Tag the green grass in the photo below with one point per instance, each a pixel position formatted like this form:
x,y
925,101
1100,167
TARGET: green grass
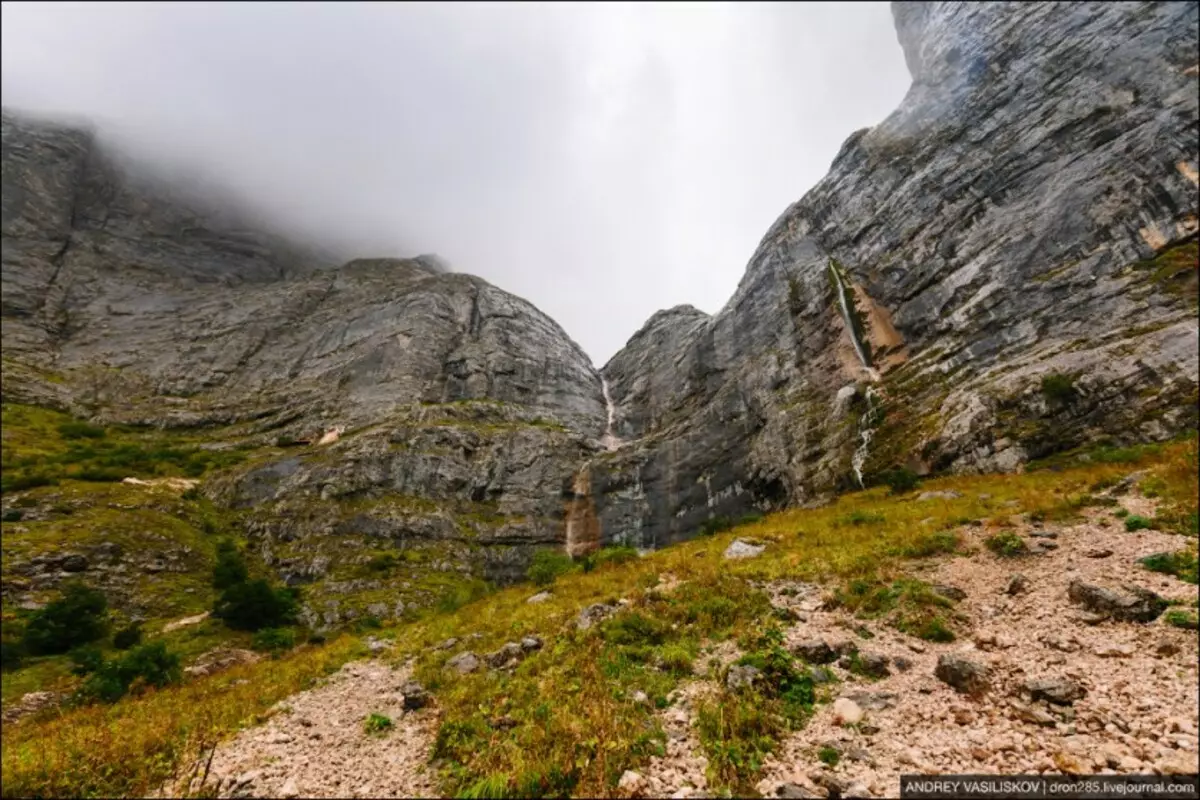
x,y
377,723
1134,522
1179,618
828,755
1181,563
1006,544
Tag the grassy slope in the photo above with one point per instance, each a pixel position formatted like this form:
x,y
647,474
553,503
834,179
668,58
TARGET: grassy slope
x,y
575,727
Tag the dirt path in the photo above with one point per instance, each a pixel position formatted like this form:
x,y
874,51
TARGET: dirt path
x,y
316,745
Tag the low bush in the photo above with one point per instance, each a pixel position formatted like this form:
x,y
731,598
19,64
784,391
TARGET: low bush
x,y
547,566
274,640
716,525
80,430
1182,564
1058,388
76,618
1006,544
147,665
900,480
1134,522
128,637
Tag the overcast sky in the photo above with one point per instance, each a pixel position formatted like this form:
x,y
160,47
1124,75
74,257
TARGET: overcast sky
x,y
601,160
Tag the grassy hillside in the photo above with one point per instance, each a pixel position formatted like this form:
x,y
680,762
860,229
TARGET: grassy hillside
x,y
563,721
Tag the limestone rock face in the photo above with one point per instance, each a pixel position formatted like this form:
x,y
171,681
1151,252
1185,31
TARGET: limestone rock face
x,y
1003,268
1030,210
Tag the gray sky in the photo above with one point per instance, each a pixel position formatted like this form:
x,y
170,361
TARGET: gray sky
x,y
601,160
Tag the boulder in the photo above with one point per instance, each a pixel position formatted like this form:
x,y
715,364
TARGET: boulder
x,y
1129,604
1060,691
741,548
963,674
464,662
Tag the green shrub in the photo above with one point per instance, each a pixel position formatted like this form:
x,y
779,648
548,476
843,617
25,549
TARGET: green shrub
x,y
716,525
931,544
1137,523
676,659
230,568
128,636
147,665
1006,544
861,517
1059,388
1182,619
255,605
12,654
548,565
900,480
377,723
77,617
12,515
1182,564
384,562
635,628
80,430
1121,513
10,482
274,640
462,594
608,555
829,755
750,519
85,660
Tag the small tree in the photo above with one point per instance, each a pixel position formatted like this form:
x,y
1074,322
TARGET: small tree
x,y
254,605
230,568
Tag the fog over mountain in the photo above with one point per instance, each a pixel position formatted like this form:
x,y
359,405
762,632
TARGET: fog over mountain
x,y
601,160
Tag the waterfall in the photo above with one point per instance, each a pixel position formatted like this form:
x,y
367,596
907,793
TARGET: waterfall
x,y
865,424
609,439
847,316
865,434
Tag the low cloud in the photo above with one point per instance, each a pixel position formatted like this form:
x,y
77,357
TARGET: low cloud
x,y
601,160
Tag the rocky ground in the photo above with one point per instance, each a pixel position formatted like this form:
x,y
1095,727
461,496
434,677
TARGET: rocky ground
x,y
317,744
1040,679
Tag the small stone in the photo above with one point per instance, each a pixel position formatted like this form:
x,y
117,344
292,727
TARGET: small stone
x,y
949,592
1115,651
415,696
1043,534
289,788
741,676
1059,691
1091,618
1017,583
915,646
741,548
464,662
640,698
872,665
847,712
963,674
508,653
794,791
631,781
446,645
531,643
540,597
593,614
946,495
821,675
74,562
815,651
874,701
902,663
1098,552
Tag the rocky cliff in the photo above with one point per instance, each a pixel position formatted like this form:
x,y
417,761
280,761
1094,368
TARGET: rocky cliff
x,y
1003,268
1017,246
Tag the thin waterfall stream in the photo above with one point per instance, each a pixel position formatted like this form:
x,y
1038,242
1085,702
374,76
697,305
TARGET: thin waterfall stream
x,y
866,430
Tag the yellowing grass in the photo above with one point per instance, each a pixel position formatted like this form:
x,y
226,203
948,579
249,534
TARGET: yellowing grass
x,y
130,748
